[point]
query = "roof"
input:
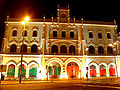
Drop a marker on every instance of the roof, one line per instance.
(55, 20)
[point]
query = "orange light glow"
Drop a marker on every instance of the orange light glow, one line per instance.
(27, 18)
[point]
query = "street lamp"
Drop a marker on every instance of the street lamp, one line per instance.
(23, 22)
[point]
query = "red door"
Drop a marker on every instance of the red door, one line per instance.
(72, 71)
(102, 72)
(92, 72)
(111, 71)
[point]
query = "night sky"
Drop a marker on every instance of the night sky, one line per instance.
(98, 10)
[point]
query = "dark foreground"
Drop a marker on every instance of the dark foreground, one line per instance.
(63, 85)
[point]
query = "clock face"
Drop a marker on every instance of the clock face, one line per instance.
(63, 15)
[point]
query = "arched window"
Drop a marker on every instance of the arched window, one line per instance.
(14, 33)
(71, 49)
(63, 49)
(54, 49)
(34, 48)
(13, 48)
(24, 48)
(91, 50)
(109, 50)
(100, 50)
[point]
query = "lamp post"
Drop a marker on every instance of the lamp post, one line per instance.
(23, 22)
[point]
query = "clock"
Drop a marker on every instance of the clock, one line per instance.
(63, 15)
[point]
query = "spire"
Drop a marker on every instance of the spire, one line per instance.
(74, 19)
(68, 5)
(44, 18)
(114, 21)
(52, 18)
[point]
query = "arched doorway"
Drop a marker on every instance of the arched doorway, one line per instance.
(23, 70)
(102, 70)
(92, 71)
(54, 70)
(11, 70)
(72, 69)
(112, 70)
(33, 70)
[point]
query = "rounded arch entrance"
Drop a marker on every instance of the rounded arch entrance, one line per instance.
(93, 69)
(102, 69)
(73, 68)
(54, 67)
(112, 69)
(24, 65)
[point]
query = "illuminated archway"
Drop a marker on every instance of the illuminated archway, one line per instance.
(112, 69)
(92, 71)
(102, 69)
(77, 63)
(54, 69)
(72, 69)
(32, 70)
(23, 70)
(11, 70)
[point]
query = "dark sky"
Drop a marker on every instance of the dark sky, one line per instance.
(93, 10)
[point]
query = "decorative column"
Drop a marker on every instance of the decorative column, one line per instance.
(6, 71)
(118, 67)
(28, 49)
(107, 71)
(27, 71)
(16, 71)
(97, 71)
(96, 50)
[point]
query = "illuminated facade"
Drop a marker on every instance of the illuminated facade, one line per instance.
(60, 48)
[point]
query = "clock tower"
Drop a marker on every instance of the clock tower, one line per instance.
(63, 14)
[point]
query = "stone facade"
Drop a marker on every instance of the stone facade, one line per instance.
(60, 48)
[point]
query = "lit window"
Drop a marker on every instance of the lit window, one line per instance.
(90, 35)
(34, 33)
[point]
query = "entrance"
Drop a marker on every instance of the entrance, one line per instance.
(72, 70)
(92, 71)
(54, 70)
(112, 70)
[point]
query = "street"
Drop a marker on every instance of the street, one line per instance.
(105, 84)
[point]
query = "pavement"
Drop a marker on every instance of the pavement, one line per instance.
(64, 84)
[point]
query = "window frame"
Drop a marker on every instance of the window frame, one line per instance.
(108, 35)
(91, 36)
(34, 34)
(63, 35)
(54, 34)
